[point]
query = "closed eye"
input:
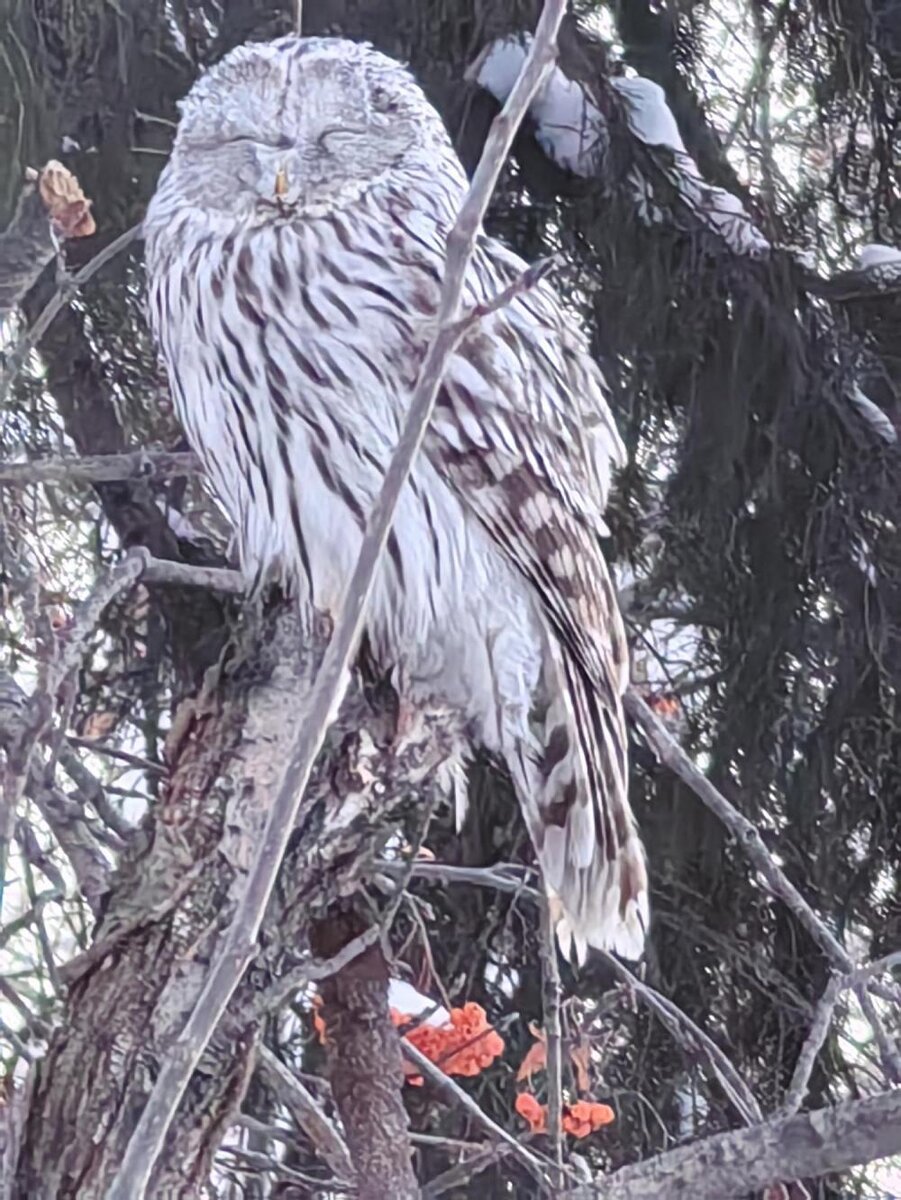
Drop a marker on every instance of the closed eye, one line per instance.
(282, 142)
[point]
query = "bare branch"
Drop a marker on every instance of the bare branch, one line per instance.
(236, 949)
(456, 1177)
(101, 468)
(308, 1113)
(56, 304)
(501, 877)
(731, 1165)
(215, 579)
(425, 1066)
(550, 998)
(673, 756)
(37, 715)
(813, 1043)
(685, 1029)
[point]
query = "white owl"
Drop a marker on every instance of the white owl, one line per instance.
(295, 252)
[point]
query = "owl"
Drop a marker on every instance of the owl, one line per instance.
(295, 251)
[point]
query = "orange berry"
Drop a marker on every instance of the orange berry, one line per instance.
(601, 1114)
(533, 1112)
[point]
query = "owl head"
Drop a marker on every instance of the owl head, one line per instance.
(303, 125)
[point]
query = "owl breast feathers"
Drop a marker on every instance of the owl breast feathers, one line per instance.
(295, 252)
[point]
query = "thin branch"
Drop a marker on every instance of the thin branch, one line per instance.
(56, 304)
(272, 999)
(37, 714)
(133, 760)
(813, 1043)
(308, 1114)
(679, 1022)
(501, 877)
(101, 468)
(429, 1070)
(550, 999)
(673, 756)
(237, 948)
(462, 1173)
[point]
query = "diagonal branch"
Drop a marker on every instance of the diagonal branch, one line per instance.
(671, 754)
(56, 304)
(307, 1113)
(236, 949)
(732, 1165)
(534, 1165)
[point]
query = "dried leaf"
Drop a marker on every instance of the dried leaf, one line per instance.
(580, 1058)
(67, 206)
(536, 1056)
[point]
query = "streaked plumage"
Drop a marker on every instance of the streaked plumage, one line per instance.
(292, 326)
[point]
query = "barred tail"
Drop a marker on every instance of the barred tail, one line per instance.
(583, 828)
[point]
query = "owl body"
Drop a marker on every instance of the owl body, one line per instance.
(293, 325)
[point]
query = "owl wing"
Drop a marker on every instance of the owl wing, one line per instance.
(523, 433)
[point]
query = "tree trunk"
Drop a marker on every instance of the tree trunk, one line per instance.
(365, 1068)
(130, 993)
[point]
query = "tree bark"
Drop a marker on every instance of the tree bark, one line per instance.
(130, 993)
(732, 1165)
(365, 1068)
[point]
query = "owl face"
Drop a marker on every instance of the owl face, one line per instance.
(300, 125)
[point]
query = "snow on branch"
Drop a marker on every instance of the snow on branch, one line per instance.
(574, 133)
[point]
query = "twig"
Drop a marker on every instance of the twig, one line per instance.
(429, 1070)
(550, 999)
(308, 1113)
(33, 1023)
(101, 468)
(16, 1042)
(673, 756)
(133, 760)
(456, 1177)
(41, 705)
(118, 579)
(738, 1092)
(888, 1051)
(253, 1160)
(17, 924)
(236, 949)
(813, 1043)
(214, 579)
(56, 304)
(500, 877)
(310, 972)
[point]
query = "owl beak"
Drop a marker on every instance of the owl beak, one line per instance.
(281, 183)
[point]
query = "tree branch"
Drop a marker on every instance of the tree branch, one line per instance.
(56, 304)
(671, 754)
(534, 1165)
(308, 1114)
(731, 1165)
(101, 468)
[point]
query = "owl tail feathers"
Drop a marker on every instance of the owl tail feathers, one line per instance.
(608, 910)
